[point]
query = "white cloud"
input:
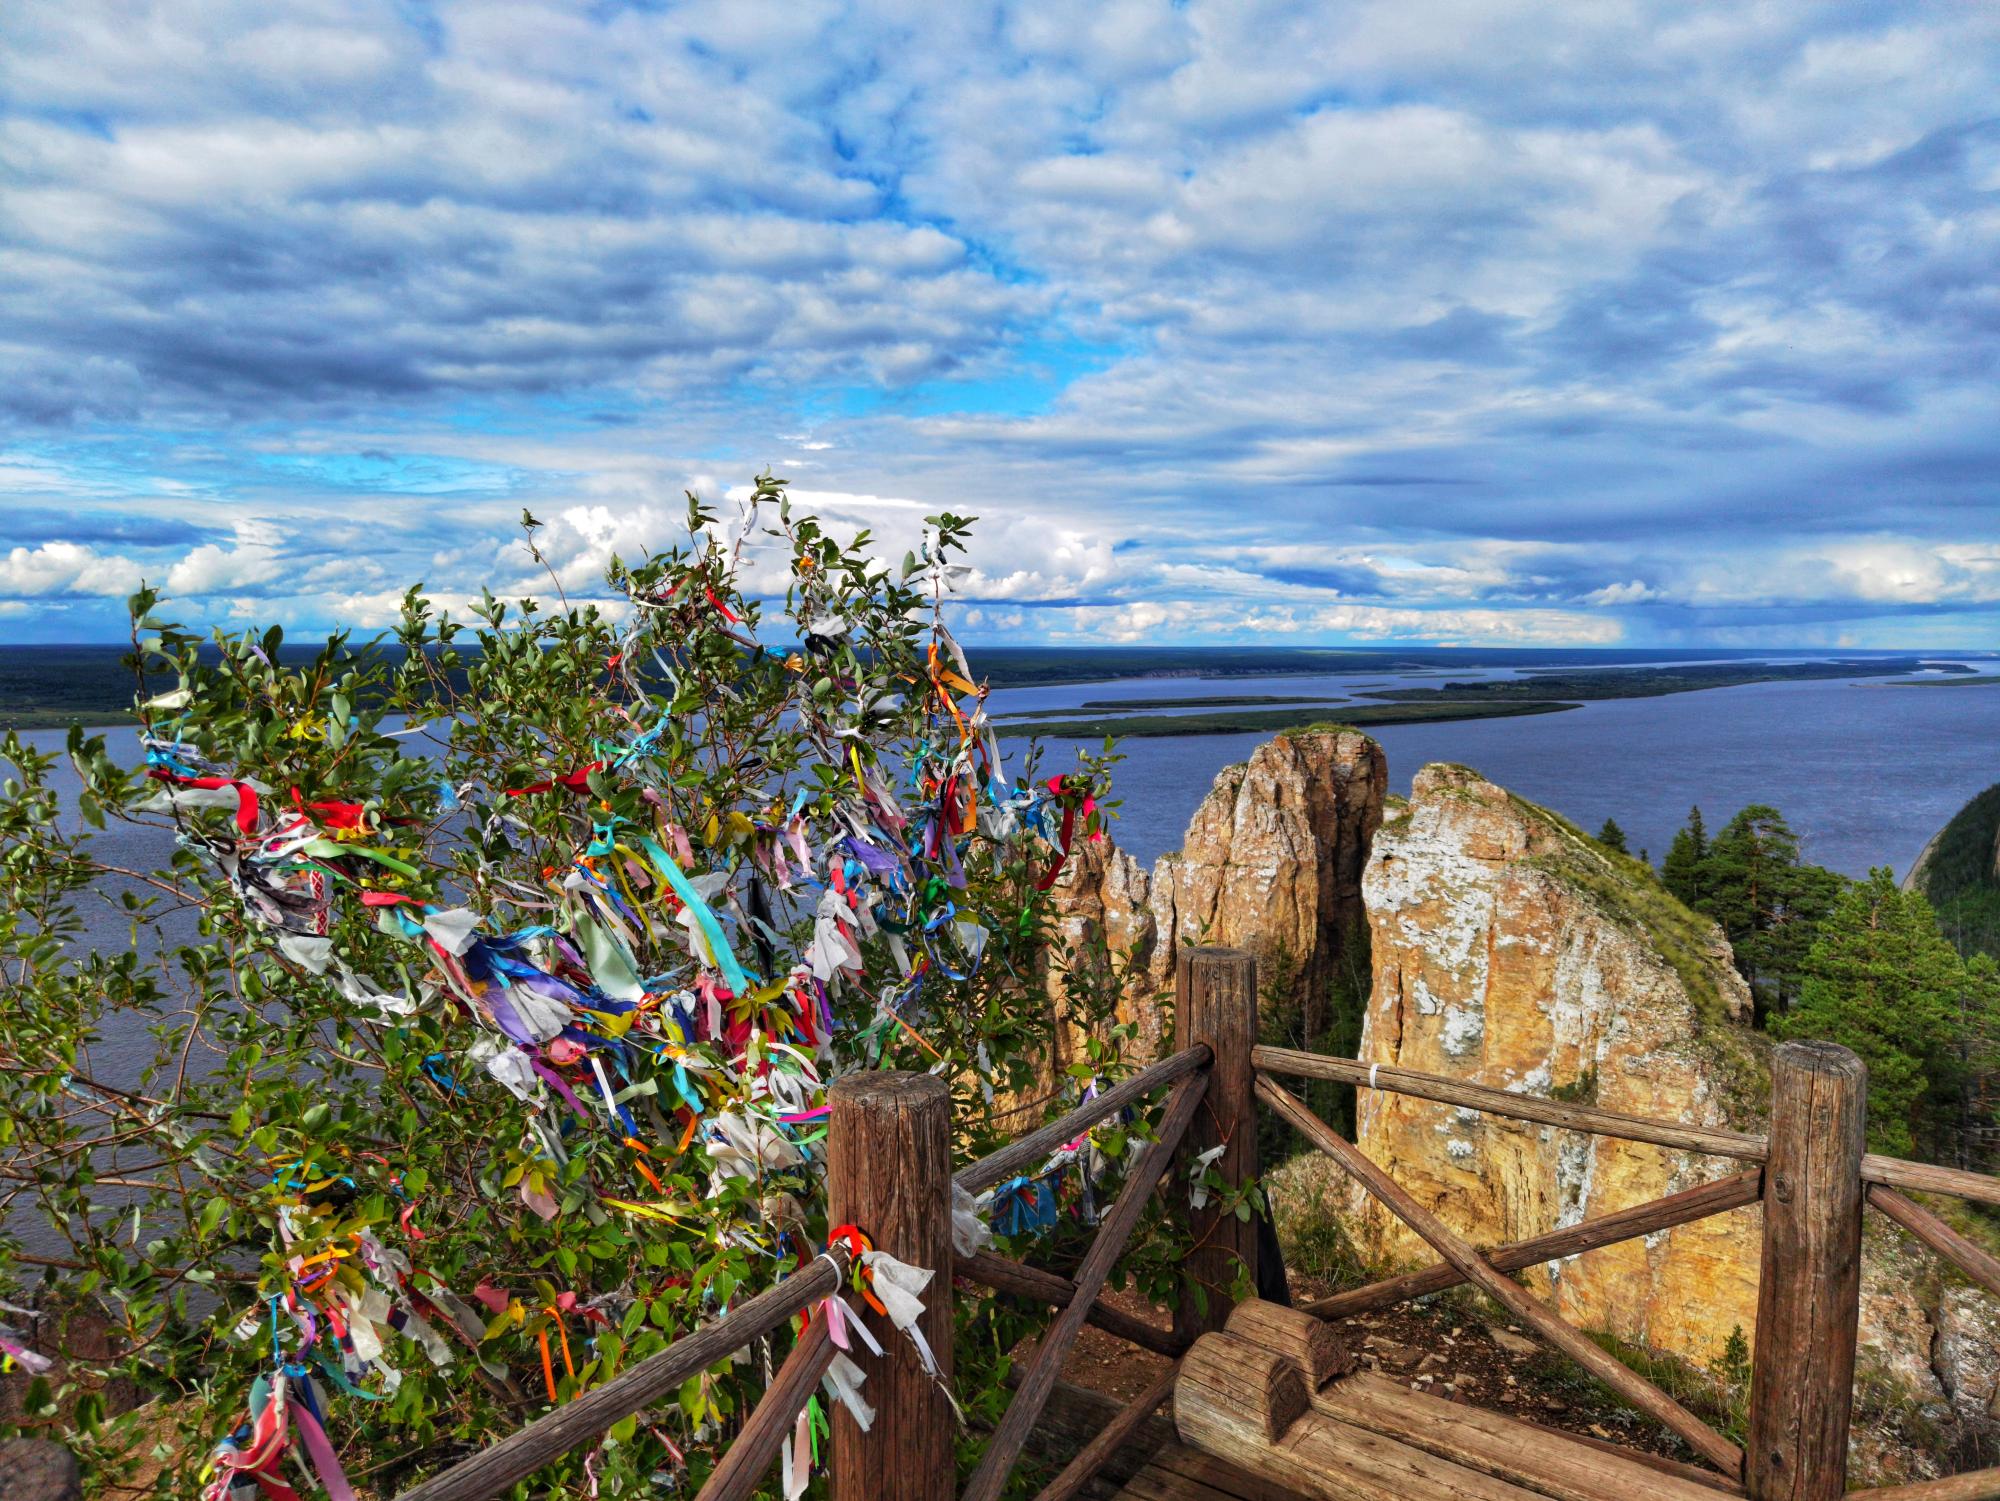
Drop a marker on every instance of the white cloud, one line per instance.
(65, 568)
(1631, 592)
(1255, 319)
(213, 569)
(1524, 627)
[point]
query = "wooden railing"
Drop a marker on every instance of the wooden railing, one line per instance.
(1812, 1180)
(887, 1171)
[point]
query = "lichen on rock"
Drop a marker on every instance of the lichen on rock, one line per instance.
(1513, 951)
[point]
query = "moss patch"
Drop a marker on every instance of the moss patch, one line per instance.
(1629, 892)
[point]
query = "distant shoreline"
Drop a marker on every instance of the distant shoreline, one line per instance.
(53, 688)
(1328, 716)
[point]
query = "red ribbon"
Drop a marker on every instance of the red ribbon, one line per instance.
(1062, 844)
(576, 781)
(246, 795)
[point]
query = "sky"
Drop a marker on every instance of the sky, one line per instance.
(1609, 323)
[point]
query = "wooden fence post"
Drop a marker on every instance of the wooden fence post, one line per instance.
(1216, 991)
(889, 1173)
(34, 1469)
(1809, 1285)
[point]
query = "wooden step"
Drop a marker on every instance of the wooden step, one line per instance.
(1256, 1396)
(1552, 1464)
(1154, 1459)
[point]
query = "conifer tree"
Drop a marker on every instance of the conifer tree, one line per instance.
(1769, 902)
(1882, 980)
(1681, 871)
(1613, 837)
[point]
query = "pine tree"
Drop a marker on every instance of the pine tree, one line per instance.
(1962, 1107)
(1769, 902)
(1613, 837)
(1883, 981)
(1681, 871)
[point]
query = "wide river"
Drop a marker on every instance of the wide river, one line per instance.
(1865, 771)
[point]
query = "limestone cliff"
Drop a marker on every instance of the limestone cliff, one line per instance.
(1512, 951)
(1273, 860)
(1105, 933)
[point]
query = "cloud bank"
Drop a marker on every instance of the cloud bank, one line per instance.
(1424, 320)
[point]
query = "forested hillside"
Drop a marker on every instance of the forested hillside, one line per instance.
(1960, 873)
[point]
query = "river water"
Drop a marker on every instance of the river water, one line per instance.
(1865, 771)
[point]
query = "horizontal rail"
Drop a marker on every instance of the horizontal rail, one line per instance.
(1021, 1281)
(1011, 1160)
(1978, 1264)
(1682, 1208)
(1505, 1102)
(1973, 1485)
(1895, 1172)
(1892, 1172)
(589, 1413)
(1630, 1386)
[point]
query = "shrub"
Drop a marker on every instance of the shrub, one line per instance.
(495, 972)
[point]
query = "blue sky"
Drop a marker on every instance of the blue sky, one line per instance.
(1461, 321)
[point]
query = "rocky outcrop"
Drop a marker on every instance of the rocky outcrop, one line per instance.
(1273, 861)
(1513, 951)
(1104, 936)
(1509, 949)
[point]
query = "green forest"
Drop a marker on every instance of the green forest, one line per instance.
(1904, 976)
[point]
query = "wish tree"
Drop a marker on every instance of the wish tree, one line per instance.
(495, 973)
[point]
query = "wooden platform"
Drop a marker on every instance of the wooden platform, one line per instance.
(1385, 1442)
(1271, 1398)
(1154, 1465)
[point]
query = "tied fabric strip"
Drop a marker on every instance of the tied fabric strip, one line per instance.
(623, 1009)
(893, 1289)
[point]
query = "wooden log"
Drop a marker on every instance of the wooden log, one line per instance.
(37, 1469)
(1005, 1446)
(1975, 1261)
(1023, 1281)
(888, 1172)
(589, 1413)
(1075, 1415)
(1235, 1397)
(1308, 1343)
(1641, 1393)
(749, 1457)
(1217, 991)
(1345, 1463)
(1248, 1406)
(1094, 1455)
(1891, 1172)
(1690, 1204)
(1546, 1461)
(1679, 1469)
(1973, 1485)
(1923, 1177)
(1033, 1149)
(1809, 1284)
(1504, 1102)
